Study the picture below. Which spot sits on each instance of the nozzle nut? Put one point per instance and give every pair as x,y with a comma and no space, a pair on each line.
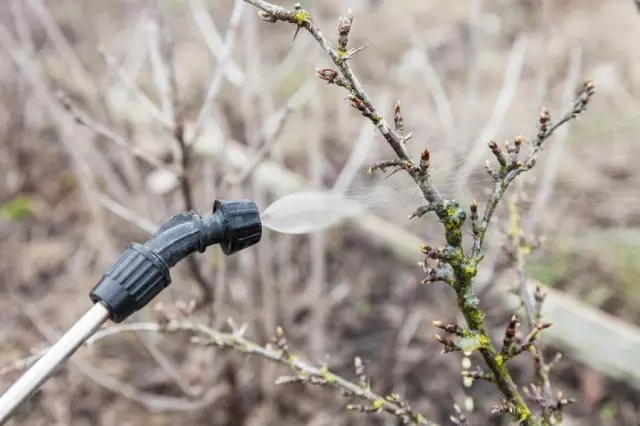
242,224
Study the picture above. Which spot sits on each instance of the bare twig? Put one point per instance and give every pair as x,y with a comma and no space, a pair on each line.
281,354
23,363
500,109
216,81
151,401
473,71
555,155
296,55
82,118
64,122
544,32
543,395
22,27
78,70
317,286
33,74
360,99
126,214
459,418
278,352
438,92
546,129
533,307
270,134
137,92
358,155
214,42
160,51
255,104
165,79
516,240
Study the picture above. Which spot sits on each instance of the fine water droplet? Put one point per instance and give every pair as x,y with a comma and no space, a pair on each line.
305,212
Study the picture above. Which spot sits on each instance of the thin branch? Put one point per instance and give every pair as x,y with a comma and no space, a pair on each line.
533,307
302,18
546,129
532,314
161,62
133,88
151,401
501,107
33,74
476,44
216,82
304,371
555,155
291,62
82,118
437,89
165,79
317,284
271,132
22,363
127,214
515,231
358,155
79,72
214,42
523,289
459,418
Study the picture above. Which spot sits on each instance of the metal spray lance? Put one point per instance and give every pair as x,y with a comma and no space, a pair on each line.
137,276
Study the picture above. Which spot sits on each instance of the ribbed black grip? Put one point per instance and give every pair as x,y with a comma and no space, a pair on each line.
241,223
131,282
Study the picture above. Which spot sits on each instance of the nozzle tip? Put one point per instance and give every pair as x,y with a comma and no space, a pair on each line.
242,224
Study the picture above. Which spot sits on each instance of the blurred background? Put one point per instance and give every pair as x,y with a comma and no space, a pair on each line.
90,159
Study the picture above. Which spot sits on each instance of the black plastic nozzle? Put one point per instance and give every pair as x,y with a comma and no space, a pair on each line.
142,271
242,225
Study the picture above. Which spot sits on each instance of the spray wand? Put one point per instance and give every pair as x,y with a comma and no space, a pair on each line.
137,276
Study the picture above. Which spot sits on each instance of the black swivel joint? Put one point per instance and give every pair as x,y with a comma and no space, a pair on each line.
142,270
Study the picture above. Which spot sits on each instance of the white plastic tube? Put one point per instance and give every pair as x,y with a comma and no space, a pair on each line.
22,389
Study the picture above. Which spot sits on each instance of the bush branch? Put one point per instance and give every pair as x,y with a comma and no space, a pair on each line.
305,372
509,172
302,18
278,352
452,257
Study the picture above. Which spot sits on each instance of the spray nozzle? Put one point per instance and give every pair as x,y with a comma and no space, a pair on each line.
138,275
242,226
142,271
